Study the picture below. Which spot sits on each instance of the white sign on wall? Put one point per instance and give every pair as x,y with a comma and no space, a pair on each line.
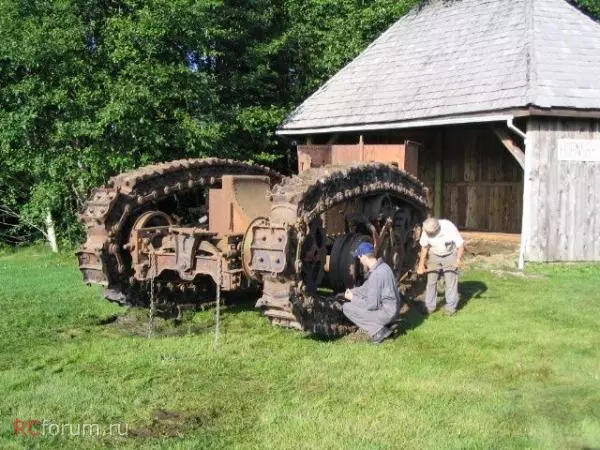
579,149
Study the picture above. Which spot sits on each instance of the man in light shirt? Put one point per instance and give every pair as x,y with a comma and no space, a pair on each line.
442,248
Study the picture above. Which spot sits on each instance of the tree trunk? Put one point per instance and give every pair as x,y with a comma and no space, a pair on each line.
51,234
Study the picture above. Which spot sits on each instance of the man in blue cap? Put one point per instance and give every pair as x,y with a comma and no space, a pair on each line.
376,303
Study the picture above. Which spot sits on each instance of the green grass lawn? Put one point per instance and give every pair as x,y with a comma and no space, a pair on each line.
518,367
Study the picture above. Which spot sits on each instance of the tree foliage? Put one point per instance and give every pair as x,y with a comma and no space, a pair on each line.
591,7
90,88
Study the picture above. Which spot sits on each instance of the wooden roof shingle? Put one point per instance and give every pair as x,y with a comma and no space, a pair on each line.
461,57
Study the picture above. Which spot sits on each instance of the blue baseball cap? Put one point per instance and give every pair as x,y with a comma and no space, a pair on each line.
364,248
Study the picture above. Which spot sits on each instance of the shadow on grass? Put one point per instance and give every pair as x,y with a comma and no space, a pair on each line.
412,318
136,320
417,315
237,302
469,290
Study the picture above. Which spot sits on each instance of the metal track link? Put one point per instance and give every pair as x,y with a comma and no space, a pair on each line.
316,190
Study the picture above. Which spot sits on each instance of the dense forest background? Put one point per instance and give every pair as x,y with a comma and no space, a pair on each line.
91,88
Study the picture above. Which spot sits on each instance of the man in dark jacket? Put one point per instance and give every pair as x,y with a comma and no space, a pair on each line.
376,303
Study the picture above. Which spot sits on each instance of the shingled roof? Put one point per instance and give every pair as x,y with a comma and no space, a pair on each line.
453,58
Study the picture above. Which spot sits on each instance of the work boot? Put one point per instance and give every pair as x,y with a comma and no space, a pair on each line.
394,324
381,335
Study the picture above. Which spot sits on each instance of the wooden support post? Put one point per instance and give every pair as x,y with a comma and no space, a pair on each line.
510,145
527,192
361,146
438,201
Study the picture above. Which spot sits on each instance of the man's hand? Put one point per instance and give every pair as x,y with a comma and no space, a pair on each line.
348,294
421,269
459,254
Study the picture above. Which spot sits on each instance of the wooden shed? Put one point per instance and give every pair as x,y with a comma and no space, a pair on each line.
503,97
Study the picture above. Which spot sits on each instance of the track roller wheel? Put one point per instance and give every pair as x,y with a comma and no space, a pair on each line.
345,270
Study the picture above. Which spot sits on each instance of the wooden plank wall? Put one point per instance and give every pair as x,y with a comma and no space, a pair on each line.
483,184
564,205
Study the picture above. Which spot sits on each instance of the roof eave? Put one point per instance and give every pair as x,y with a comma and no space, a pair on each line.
564,112
498,116
420,123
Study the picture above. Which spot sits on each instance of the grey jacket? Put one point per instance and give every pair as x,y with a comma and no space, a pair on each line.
379,291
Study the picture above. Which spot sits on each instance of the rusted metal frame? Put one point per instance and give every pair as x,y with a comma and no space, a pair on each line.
282,291
203,265
125,191
269,249
185,260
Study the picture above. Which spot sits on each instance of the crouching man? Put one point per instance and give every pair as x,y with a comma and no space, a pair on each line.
377,302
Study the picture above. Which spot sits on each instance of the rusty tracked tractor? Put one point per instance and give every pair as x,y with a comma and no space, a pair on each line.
178,228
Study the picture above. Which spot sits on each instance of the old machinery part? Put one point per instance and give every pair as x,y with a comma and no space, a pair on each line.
264,249
176,187
313,254
344,269
184,226
287,298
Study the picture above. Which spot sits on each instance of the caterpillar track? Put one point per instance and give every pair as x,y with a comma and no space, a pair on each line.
111,210
392,204
176,229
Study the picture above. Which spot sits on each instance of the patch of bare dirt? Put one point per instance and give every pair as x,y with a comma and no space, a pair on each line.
135,322
173,424
357,336
489,254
